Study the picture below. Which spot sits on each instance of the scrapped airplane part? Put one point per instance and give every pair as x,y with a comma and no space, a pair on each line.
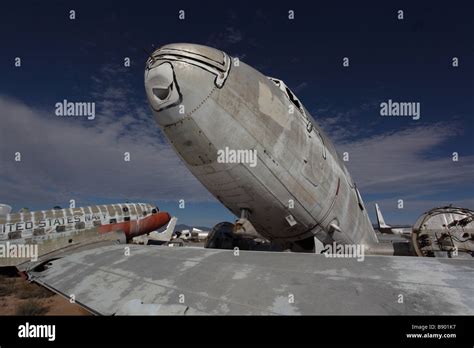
280,154
176,242
445,232
380,220
198,235
244,228
29,236
156,237
384,228
215,281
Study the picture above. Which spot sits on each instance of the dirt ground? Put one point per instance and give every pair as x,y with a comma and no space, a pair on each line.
20,297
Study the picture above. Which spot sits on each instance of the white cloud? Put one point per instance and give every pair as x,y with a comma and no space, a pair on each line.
398,162
64,158
414,164
412,209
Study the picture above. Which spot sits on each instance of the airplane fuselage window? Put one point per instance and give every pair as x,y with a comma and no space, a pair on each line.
291,96
296,102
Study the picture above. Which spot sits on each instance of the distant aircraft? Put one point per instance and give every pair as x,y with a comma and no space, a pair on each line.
158,238
194,234
52,230
444,232
199,235
384,228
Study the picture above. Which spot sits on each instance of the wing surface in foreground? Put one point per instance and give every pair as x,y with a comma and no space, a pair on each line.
164,280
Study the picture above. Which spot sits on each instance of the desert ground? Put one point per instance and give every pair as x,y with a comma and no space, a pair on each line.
18,296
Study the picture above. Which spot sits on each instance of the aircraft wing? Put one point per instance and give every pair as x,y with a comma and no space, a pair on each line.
187,280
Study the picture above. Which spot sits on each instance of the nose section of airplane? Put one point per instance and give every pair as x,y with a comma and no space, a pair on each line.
180,77
152,223
158,220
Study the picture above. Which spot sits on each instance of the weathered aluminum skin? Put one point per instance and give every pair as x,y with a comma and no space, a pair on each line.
247,110
153,280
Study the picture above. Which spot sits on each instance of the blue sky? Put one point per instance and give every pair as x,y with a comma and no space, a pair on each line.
82,60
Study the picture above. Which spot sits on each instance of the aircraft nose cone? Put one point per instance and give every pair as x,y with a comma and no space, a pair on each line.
152,223
179,78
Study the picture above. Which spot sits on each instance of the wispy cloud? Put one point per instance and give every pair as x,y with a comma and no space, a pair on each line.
413,163
342,125
300,87
223,39
398,162
64,158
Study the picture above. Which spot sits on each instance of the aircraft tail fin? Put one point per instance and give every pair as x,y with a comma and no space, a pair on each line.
168,232
380,219
165,236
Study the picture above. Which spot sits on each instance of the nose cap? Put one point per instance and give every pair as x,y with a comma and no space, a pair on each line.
161,87
152,223
195,51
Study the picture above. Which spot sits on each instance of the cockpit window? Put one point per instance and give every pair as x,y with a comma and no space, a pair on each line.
293,99
296,102
291,96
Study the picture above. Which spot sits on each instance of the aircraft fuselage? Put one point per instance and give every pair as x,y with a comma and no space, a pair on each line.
52,230
298,188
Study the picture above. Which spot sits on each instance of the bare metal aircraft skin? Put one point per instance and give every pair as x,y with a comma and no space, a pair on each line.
299,187
55,229
297,190
189,281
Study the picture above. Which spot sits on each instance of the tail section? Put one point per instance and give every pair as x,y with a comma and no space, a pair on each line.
380,219
384,228
166,235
